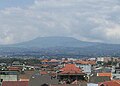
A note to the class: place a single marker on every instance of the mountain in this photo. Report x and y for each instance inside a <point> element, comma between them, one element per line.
<point>47,42</point>
<point>60,46</point>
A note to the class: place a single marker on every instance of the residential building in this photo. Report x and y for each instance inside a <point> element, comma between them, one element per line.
<point>70,73</point>
<point>110,83</point>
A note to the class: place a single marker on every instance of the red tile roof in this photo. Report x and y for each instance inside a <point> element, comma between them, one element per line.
<point>43,72</point>
<point>86,62</point>
<point>54,60</point>
<point>15,83</point>
<point>44,65</point>
<point>111,83</point>
<point>70,69</point>
<point>45,60</point>
<point>14,68</point>
<point>104,74</point>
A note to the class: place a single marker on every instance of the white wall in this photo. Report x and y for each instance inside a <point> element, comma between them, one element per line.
<point>86,68</point>
<point>9,77</point>
<point>92,84</point>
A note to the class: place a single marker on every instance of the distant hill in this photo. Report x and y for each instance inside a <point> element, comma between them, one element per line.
<point>47,42</point>
<point>60,46</point>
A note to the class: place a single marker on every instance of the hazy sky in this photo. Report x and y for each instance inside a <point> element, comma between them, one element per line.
<point>88,20</point>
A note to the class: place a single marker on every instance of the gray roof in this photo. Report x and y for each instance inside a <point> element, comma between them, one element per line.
<point>98,79</point>
<point>38,80</point>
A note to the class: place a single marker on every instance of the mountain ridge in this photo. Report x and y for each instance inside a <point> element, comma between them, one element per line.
<point>46,42</point>
<point>60,46</point>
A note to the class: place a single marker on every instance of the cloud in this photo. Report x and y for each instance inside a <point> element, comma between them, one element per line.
<point>88,20</point>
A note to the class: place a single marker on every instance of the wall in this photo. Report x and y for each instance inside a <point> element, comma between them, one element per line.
<point>9,77</point>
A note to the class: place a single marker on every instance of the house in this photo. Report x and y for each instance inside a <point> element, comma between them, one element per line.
<point>110,83</point>
<point>43,72</point>
<point>104,59</point>
<point>12,68</point>
<point>97,78</point>
<point>86,66</point>
<point>101,59</point>
<point>116,72</point>
<point>92,84</point>
<point>105,74</point>
<point>54,62</point>
<point>45,61</point>
<point>9,75</point>
<point>17,63</point>
<point>15,83</point>
<point>102,70</point>
<point>3,64</point>
<point>70,73</point>
<point>42,80</point>
<point>26,75</point>
<point>50,62</point>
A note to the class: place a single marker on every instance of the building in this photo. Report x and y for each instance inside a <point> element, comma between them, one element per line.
<point>86,66</point>
<point>70,73</point>
<point>110,83</point>
<point>50,62</point>
<point>9,75</point>
<point>42,80</point>
<point>15,83</point>
<point>92,84</point>
<point>105,75</point>
<point>116,72</point>
<point>104,59</point>
<point>17,63</point>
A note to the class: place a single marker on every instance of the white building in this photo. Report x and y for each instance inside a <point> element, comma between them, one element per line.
<point>100,59</point>
<point>85,67</point>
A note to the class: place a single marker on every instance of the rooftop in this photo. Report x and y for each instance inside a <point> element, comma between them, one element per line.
<point>104,74</point>
<point>15,83</point>
<point>70,69</point>
<point>110,83</point>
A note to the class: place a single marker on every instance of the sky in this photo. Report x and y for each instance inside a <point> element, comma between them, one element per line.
<point>86,20</point>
